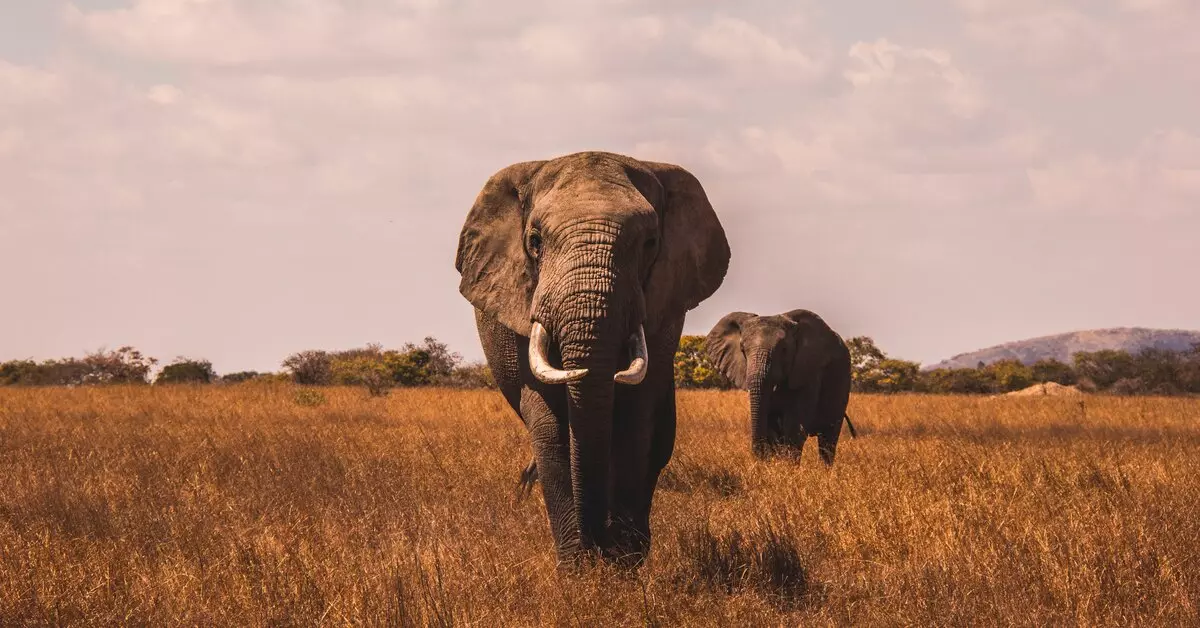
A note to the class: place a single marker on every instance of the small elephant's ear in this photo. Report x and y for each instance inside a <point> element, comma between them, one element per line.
<point>812,344</point>
<point>491,249</point>
<point>693,254</point>
<point>723,345</point>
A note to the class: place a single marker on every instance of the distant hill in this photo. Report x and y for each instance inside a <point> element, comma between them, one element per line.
<point>1063,346</point>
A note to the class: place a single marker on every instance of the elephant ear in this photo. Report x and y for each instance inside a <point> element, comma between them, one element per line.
<point>723,345</point>
<point>693,254</point>
<point>491,251</point>
<point>811,347</point>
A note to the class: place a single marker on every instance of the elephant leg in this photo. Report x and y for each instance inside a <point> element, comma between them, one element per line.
<point>545,410</point>
<point>798,413</point>
<point>775,420</point>
<point>644,440</point>
<point>506,352</point>
<point>831,409</point>
<point>827,446</point>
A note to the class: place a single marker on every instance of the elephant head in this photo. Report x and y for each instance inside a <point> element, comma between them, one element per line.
<point>587,255</point>
<point>767,355</point>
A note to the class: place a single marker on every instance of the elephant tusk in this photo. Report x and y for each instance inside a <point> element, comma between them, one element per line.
<point>637,368</point>
<point>539,346</point>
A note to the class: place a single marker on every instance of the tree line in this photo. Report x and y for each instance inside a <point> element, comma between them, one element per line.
<point>431,363</point>
<point>1147,372</point>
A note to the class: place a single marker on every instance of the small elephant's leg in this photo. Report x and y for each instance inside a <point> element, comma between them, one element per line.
<point>775,430</point>
<point>827,445</point>
<point>831,409</point>
<point>799,407</point>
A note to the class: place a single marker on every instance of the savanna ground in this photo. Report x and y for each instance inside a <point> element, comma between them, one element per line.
<point>261,505</point>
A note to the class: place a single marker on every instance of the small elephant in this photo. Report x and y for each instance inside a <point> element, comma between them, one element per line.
<point>581,269</point>
<point>797,371</point>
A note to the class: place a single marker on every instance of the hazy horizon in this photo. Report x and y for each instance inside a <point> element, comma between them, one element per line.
<point>238,181</point>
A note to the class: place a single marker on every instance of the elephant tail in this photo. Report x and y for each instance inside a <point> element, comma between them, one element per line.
<point>853,432</point>
<point>528,477</point>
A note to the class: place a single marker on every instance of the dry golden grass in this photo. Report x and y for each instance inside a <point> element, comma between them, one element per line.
<point>239,506</point>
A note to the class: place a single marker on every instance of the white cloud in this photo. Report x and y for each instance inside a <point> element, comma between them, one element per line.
<point>1160,179</point>
<point>164,94</point>
<point>337,145</point>
<point>231,33</point>
<point>746,48</point>
<point>1085,43</point>
<point>21,85</point>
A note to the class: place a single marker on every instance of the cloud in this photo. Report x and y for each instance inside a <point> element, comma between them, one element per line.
<point>1086,42</point>
<point>1161,179</point>
<point>230,33</point>
<point>911,128</point>
<point>280,171</point>
<point>743,47</point>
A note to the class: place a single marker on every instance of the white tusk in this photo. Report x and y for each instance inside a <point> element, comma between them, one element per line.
<point>539,346</point>
<point>637,368</point>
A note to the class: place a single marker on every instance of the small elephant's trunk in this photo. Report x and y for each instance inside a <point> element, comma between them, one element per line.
<point>757,367</point>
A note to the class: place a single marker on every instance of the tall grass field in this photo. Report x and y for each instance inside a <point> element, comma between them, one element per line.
<point>276,505</point>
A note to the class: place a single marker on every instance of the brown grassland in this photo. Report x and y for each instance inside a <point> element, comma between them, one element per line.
<point>254,505</point>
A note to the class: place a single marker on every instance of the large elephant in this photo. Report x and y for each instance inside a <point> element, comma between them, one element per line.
<point>581,269</point>
<point>797,372</point>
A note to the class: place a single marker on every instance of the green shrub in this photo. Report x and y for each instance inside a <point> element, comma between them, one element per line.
<point>693,368</point>
<point>309,398</point>
<point>368,371</point>
<point>314,368</point>
<point>185,371</point>
<point>474,375</point>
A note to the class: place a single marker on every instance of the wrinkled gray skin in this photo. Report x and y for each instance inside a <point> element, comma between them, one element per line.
<point>797,371</point>
<point>590,245</point>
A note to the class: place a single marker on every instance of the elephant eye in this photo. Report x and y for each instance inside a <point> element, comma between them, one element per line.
<point>535,245</point>
<point>651,242</point>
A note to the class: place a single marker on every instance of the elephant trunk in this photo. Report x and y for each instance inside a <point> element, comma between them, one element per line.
<point>758,365</point>
<point>593,309</point>
<point>596,346</point>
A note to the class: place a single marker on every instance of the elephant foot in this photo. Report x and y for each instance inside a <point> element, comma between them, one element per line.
<point>630,550</point>
<point>778,451</point>
<point>627,550</point>
<point>576,559</point>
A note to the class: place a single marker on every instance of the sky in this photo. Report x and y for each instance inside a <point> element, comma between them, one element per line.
<point>238,180</point>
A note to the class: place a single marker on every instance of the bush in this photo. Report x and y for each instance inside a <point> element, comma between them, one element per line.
<point>474,375</point>
<point>957,382</point>
<point>1051,370</point>
<point>1009,375</point>
<point>309,398</point>
<point>1106,367</point>
<point>888,376</point>
<point>19,373</point>
<point>313,368</point>
<point>436,358</point>
<point>123,366</point>
<point>365,370</point>
<point>1128,386</point>
<point>185,371</point>
<point>375,368</point>
<point>241,376</point>
<point>693,368</point>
